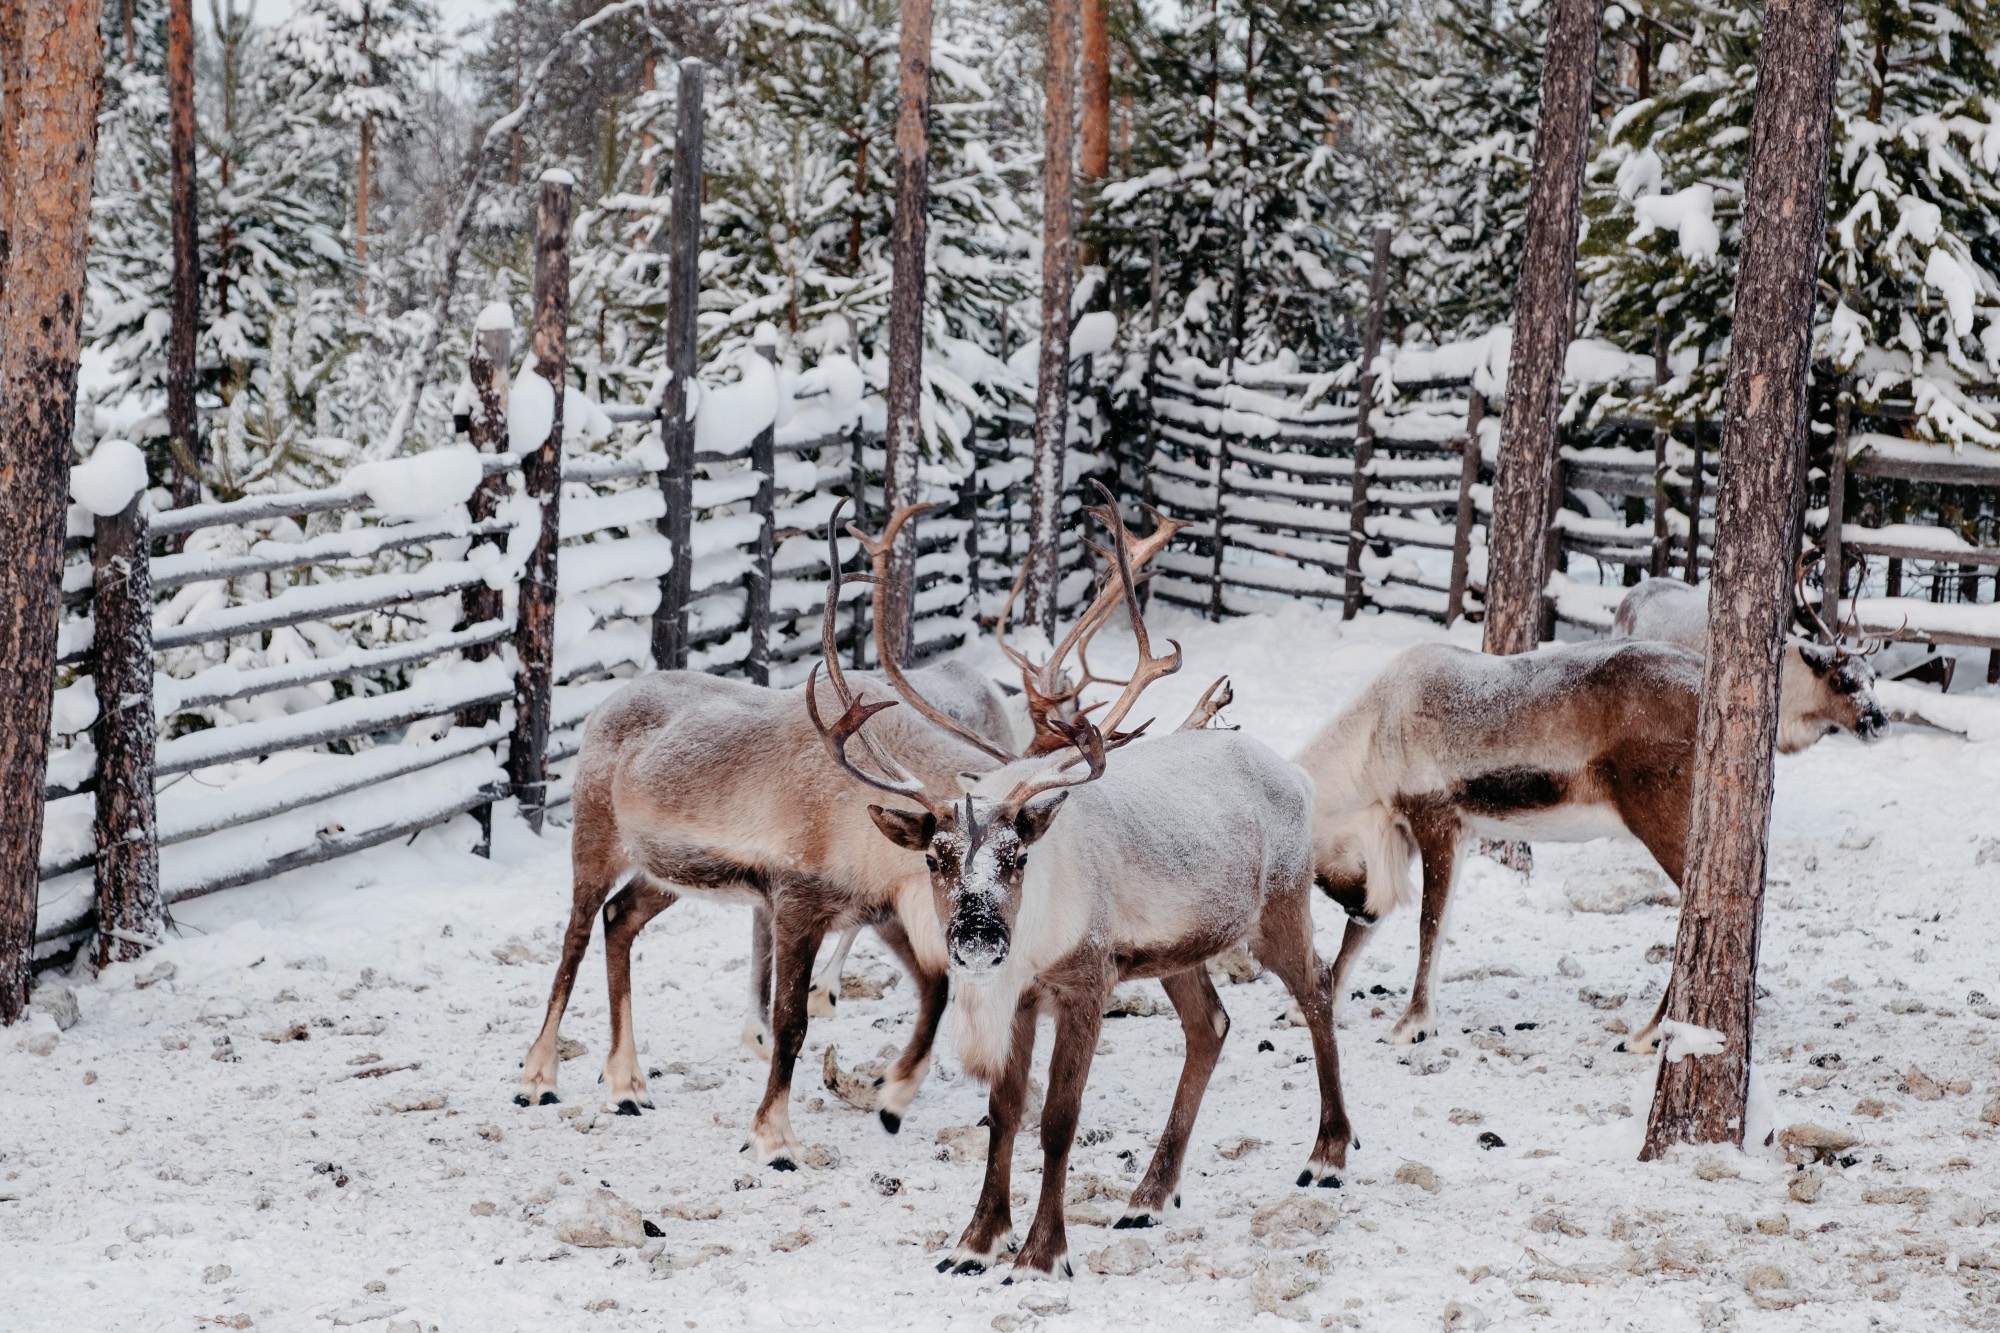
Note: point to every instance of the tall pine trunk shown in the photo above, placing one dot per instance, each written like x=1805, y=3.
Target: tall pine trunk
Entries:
x=903, y=439
x=184, y=294
x=1058, y=259
x=1094, y=148
x=53, y=69
x=1544, y=310
x=1703, y=1098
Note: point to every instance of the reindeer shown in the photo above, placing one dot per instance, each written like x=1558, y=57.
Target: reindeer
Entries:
x=693, y=785
x=1822, y=689
x=1565, y=744
x=1057, y=876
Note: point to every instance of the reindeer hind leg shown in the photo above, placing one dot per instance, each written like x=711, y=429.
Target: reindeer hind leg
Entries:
x=596, y=866
x=757, y=1023
x=624, y=917
x=1284, y=943
x=1204, y=1025
x=825, y=992
x=900, y=1086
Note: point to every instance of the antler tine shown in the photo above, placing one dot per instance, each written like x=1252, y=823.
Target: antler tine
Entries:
x=1090, y=746
x=1136, y=551
x=1013, y=654
x=1213, y=700
x=1149, y=668
x=1802, y=604
x=892, y=667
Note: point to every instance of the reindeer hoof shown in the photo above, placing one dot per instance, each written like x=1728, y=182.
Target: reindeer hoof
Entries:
x=626, y=1107
x=1320, y=1174
x=820, y=1002
x=969, y=1268
x=1133, y=1221
x=521, y=1098
x=891, y=1121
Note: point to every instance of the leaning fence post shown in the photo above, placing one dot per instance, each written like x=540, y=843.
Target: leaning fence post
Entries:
x=757, y=588
x=670, y=620
x=129, y=911
x=1461, y=536
x=1364, y=427
x=541, y=472
x=492, y=353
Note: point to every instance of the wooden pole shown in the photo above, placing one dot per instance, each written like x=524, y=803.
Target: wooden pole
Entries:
x=1544, y=310
x=1833, y=568
x=1468, y=513
x=757, y=587
x=1662, y=553
x=857, y=483
x=184, y=286
x=1364, y=426
x=1045, y=493
x=1697, y=486
x=1703, y=1098
x=52, y=62
x=130, y=916
x=1147, y=491
x=541, y=474
x=492, y=353
x=1094, y=150
x=902, y=439
x=1558, y=561
x=670, y=620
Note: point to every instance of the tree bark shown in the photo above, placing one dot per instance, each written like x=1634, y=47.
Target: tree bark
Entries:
x=54, y=71
x=1094, y=148
x=1544, y=310
x=1702, y=1098
x=670, y=620
x=1364, y=428
x=184, y=294
x=1058, y=259
x=130, y=915
x=541, y=475
x=361, y=210
x=903, y=437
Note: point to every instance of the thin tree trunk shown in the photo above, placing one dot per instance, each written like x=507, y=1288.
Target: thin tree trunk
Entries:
x=130, y=914
x=361, y=209
x=1094, y=142
x=1703, y=1098
x=1058, y=259
x=903, y=437
x=670, y=618
x=184, y=297
x=53, y=69
x=1544, y=308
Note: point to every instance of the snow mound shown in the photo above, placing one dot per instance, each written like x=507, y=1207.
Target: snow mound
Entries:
x=421, y=483
x=106, y=483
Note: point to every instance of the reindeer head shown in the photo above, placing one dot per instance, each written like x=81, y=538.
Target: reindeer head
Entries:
x=976, y=846
x=1828, y=686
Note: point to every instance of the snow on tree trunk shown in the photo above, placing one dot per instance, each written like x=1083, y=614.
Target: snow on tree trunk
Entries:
x=1703, y=1098
x=903, y=438
x=129, y=911
x=184, y=299
x=1544, y=310
x=1058, y=257
x=541, y=475
x=53, y=71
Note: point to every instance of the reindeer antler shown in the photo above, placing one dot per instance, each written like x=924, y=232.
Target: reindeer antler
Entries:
x=1150, y=668
x=1213, y=700
x=879, y=549
x=1090, y=747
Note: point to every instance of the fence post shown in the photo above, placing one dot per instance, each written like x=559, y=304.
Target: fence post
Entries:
x=1662, y=554
x=1556, y=561
x=1218, y=543
x=757, y=588
x=1832, y=570
x=541, y=471
x=1461, y=536
x=1695, y=488
x=492, y=353
x=670, y=620
x=1364, y=428
x=130, y=914
x=858, y=483
x=1148, y=492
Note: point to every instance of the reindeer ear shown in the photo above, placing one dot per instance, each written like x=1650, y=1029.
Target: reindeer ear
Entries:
x=905, y=828
x=1817, y=656
x=1036, y=816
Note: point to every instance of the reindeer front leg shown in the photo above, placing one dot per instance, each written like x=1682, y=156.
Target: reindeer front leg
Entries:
x=899, y=1089
x=1079, y=1015
x=992, y=1227
x=798, y=926
x=1437, y=844
x=1204, y=1024
x=624, y=917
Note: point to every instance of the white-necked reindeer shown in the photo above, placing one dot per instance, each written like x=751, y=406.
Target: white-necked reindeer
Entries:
x=692, y=785
x=1565, y=744
x=1057, y=876
x=1823, y=688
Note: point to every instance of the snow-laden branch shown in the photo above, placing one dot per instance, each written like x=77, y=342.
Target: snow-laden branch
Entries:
x=461, y=221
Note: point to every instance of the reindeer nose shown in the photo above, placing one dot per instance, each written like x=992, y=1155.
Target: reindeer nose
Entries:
x=978, y=956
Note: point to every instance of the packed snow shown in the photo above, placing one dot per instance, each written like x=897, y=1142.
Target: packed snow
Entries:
x=298, y=1112
x=106, y=482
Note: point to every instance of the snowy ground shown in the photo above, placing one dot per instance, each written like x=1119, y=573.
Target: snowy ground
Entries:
x=206, y=1148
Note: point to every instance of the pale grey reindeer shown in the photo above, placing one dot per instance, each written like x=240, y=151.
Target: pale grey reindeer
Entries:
x=1059, y=875
x=693, y=785
x=1565, y=744
x=1823, y=688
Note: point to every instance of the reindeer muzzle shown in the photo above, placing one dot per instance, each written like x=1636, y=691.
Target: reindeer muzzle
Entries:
x=1872, y=722
x=977, y=952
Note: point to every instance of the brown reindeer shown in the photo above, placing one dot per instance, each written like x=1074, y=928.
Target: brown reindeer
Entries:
x=693, y=785
x=1565, y=744
x=1059, y=875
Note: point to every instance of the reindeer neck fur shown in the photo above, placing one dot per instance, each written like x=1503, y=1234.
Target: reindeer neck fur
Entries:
x=1517, y=746
x=1143, y=872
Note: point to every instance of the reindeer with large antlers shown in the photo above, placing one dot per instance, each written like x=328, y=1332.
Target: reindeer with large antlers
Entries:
x=1060, y=874
x=693, y=785
x=1566, y=744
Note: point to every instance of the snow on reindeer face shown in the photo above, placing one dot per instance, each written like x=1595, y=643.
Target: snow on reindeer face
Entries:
x=977, y=855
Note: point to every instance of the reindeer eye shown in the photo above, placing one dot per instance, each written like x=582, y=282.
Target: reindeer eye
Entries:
x=931, y=861
x=1021, y=861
